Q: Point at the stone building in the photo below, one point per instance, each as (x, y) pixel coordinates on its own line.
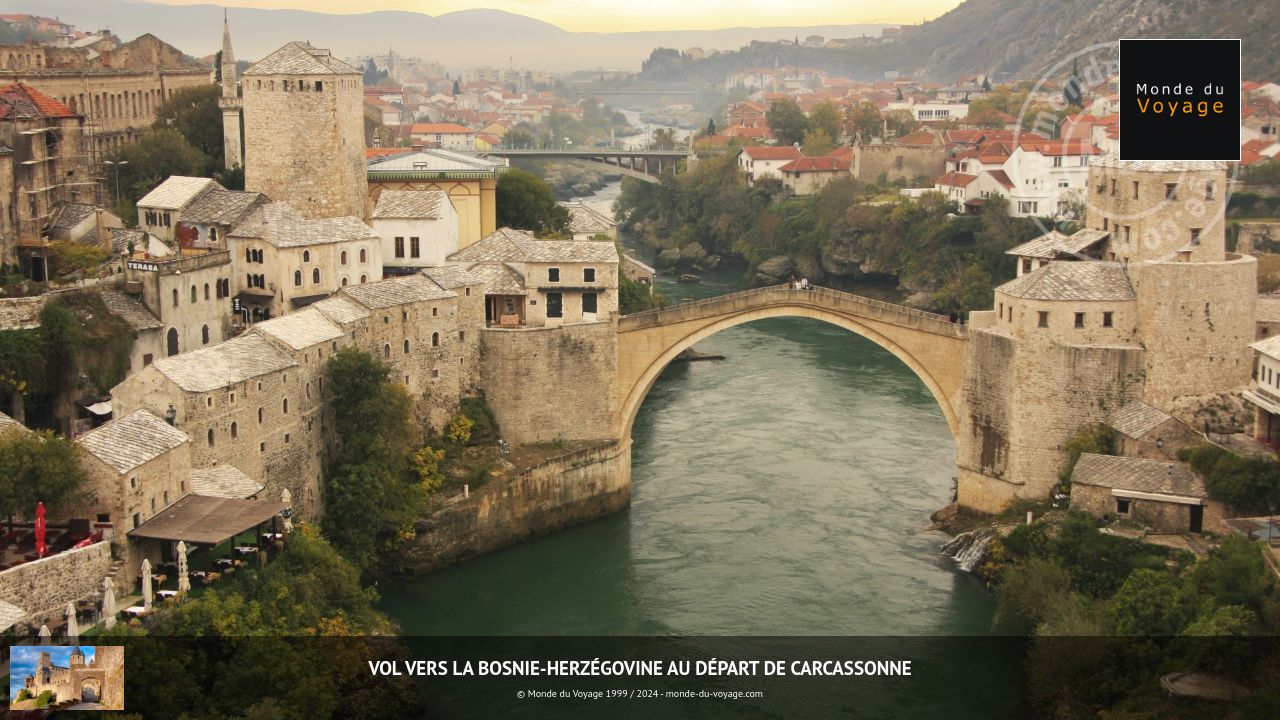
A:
(419, 229)
(1145, 431)
(1263, 392)
(1164, 317)
(470, 182)
(189, 296)
(117, 91)
(290, 261)
(808, 175)
(43, 164)
(920, 154)
(100, 680)
(536, 283)
(304, 132)
(1166, 496)
(585, 222)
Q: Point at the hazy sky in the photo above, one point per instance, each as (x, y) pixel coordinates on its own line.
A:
(622, 15)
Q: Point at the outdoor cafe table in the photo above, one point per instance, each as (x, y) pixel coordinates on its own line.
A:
(166, 594)
(246, 550)
(135, 610)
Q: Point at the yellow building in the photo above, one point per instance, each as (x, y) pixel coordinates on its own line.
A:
(471, 183)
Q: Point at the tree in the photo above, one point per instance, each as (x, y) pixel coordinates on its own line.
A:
(153, 158)
(787, 122)
(901, 122)
(984, 113)
(863, 120)
(194, 113)
(526, 203)
(825, 116)
(1073, 91)
(711, 126)
(664, 139)
(1028, 591)
(37, 466)
(818, 142)
(1150, 602)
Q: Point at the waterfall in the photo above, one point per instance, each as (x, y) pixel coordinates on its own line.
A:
(969, 548)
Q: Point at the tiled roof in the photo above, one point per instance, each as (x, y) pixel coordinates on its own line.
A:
(23, 101)
(771, 152)
(507, 245)
(585, 219)
(226, 363)
(440, 129)
(1086, 280)
(300, 58)
(222, 207)
(129, 309)
(1269, 347)
(223, 481)
(1001, 177)
(434, 160)
(499, 279)
(68, 215)
(121, 237)
(341, 309)
(632, 261)
(424, 204)
(8, 423)
(1138, 475)
(300, 330)
(280, 225)
(175, 192)
(956, 179)
(1053, 243)
(1267, 308)
(919, 138)
(397, 291)
(825, 163)
(451, 277)
(127, 442)
(1137, 419)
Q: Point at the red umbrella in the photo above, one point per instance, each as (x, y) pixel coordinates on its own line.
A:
(41, 548)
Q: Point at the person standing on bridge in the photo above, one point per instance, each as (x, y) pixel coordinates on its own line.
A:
(804, 284)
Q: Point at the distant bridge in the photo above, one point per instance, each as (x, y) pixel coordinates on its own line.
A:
(646, 165)
(931, 345)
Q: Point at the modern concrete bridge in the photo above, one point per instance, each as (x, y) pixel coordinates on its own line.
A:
(931, 345)
(646, 165)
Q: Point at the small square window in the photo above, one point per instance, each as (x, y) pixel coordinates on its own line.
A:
(1044, 318)
(262, 447)
(1106, 319)
(1122, 506)
(1079, 319)
(589, 275)
(553, 274)
(286, 438)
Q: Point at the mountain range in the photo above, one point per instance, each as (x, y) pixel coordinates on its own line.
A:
(459, 40)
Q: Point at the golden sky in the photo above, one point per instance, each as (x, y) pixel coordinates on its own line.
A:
(624, 15)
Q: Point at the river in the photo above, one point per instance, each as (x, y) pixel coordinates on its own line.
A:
(785, 490)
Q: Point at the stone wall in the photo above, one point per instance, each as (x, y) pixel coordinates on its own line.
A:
(898, 162)
(1161, 517)
(550, 384)
(1258, 237)
(568, 490)
(44, 587)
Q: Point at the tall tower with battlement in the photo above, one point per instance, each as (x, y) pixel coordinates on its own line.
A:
(304, 131)
(229, 101)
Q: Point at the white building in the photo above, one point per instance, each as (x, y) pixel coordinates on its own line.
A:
(419, 228)
(927, 111)
(761, 161)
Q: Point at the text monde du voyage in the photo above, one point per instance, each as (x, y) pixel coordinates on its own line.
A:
(639, 668)
(1180, 99)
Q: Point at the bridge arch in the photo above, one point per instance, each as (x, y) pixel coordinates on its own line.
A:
(930, 345)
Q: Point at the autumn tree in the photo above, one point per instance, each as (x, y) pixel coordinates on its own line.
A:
(787, 122)
(825, 116)
(863, 120)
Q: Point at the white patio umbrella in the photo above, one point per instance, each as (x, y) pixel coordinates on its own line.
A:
(287, 499)
(184, 582)
(108, 603)
(146, 585)
(73, 630)
(44, 634)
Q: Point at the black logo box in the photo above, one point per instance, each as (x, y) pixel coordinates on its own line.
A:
(1194, 65)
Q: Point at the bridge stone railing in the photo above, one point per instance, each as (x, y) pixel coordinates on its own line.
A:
(818, 297)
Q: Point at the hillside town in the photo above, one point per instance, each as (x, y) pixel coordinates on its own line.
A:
(1122, 362)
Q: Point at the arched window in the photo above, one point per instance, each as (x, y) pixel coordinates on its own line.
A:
(213, 234)
(248, 279)
(193, 293)
(204, 335)
(364, 279)
(306, 256)
(406, 347)
(234, 431)
(206, 291)
(435, 339)
(248, 255)
(362, 257)
(173, 340)
(315, 276)
(285, 405)
(344, 282)
(210, 437)
(342, 257)
(259, 416)
(386, 351)
(297, 277)
(175, 297)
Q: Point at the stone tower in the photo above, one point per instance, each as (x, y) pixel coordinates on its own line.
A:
(232, 142)
(1144, 303)
(304, 131)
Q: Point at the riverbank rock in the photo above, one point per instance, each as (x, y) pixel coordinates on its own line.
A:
(776, 268)
(669, 258)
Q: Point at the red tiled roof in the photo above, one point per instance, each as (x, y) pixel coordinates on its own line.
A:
(1001, 177)
(440, 128)
(1251, 152)
(770, 152)
(824, 163)
(956, 179)
(918, 138)
(383, 152)
(20, 100)
(1064, 147)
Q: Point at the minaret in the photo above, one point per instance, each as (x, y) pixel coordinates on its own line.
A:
(232, 145)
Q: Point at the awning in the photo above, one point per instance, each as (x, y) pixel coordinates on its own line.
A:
(255, 298)
(301, 302)
(1261, 401)
(99, 408)
(207, 520)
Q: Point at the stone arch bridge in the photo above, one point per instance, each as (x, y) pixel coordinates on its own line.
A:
(647, 165)
(931, 345)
